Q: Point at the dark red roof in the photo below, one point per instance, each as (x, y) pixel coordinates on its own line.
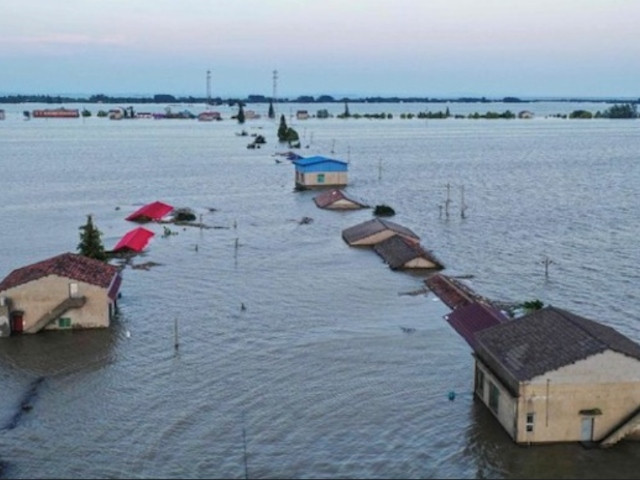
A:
(151, 211)
(135, 240)
(453, 293)
(325, 199)
(70, 265)
(469, 319)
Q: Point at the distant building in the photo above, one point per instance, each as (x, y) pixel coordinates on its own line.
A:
(319, 172)
(57, 113)
(63, 292)
(302, 114)
(525, 114)
(322, 113)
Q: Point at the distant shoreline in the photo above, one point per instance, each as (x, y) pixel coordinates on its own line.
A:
(166, 98)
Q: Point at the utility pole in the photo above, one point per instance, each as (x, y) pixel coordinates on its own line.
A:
(447, 201)
(463, 206)
(275, 92)
(208, 87)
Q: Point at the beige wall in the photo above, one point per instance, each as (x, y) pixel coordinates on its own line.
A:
(608, 381)
(38, 297)
(420, 263)
(330, 179)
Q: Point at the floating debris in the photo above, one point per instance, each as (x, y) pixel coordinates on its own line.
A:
(145, 266)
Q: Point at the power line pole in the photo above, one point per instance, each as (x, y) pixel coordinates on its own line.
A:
(209, 87)
(275, 92)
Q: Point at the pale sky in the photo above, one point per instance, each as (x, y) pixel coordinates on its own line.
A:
(425, 48)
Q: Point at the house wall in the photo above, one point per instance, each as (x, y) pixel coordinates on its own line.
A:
(40, 296)
(507, 403)
(608, 381)
(343, 204)
(419, 263)
(331, 179)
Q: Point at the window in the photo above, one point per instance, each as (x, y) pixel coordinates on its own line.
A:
(480, 383)
(321, 178)
(530, 421)
(494, 397)
(64, 322)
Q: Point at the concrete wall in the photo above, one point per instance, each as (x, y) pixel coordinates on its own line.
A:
(331, 179)
(609, 382)
(40, 296)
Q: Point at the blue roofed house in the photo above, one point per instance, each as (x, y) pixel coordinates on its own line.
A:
(319, 172)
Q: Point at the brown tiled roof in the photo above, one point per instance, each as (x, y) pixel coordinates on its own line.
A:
(396, 251)
(452, 292)
(371, 227)
(70, 265)
(546, 340)
(325, 199)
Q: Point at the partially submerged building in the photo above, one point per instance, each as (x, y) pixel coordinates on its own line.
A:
(336, 199)
(134, 240)
(554, 376)
(402, 254)
(319, 172)
(375, 231)
(549, 376)
(63, 292)
(150, 212)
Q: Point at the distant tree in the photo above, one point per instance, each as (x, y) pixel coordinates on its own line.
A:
(282, 129)
(91, 242)
(580, 114)
(240, 115)
(626, 110)
(346, 110)
(272, 112)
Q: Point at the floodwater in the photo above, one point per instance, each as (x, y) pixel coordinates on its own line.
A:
(332, 370)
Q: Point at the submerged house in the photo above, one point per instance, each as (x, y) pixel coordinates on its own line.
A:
(375, 231)
(337, 200)
(402, 254)
(63, 292)
(151, 212)
(134, 240)
(319, 172)
(553, 376)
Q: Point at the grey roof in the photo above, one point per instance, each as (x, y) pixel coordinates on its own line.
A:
(372, 227)
(328, 198)
(396, 251)
(546, 340)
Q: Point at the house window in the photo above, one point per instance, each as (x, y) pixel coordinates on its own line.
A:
(480, 383)
(530, 421)
(494, 397)
(64, 322)
(321, 178)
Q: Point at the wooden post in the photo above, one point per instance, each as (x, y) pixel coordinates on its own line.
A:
(447, 201)
(176, 344)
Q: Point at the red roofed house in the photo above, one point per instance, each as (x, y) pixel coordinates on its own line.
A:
(134, 240)
(151, 211)
(62, 292)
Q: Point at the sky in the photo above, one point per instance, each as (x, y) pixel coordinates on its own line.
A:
(405, 48)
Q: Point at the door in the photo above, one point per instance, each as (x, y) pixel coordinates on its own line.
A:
(17, 322)
(586, 433)
(73, 290)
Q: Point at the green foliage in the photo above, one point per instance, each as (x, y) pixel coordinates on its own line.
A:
(240, 116)
(282, 129)
(384, 211)
(580, 114)
(91, 241)
(272, 112)
(532, 305)
(626, 110)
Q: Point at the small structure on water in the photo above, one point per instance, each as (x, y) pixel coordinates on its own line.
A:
(375, 231)
(134, 240)
(63, 292)
(151, 212)
(319, 172)
(402, 254)
(336, 199)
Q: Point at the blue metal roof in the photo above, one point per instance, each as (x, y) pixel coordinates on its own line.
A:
(320, 163)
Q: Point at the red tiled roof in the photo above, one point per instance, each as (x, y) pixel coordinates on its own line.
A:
(135, 240)
(329, 197)
(450, 291)
(70, 265)
(469, 319)
(152, 211)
